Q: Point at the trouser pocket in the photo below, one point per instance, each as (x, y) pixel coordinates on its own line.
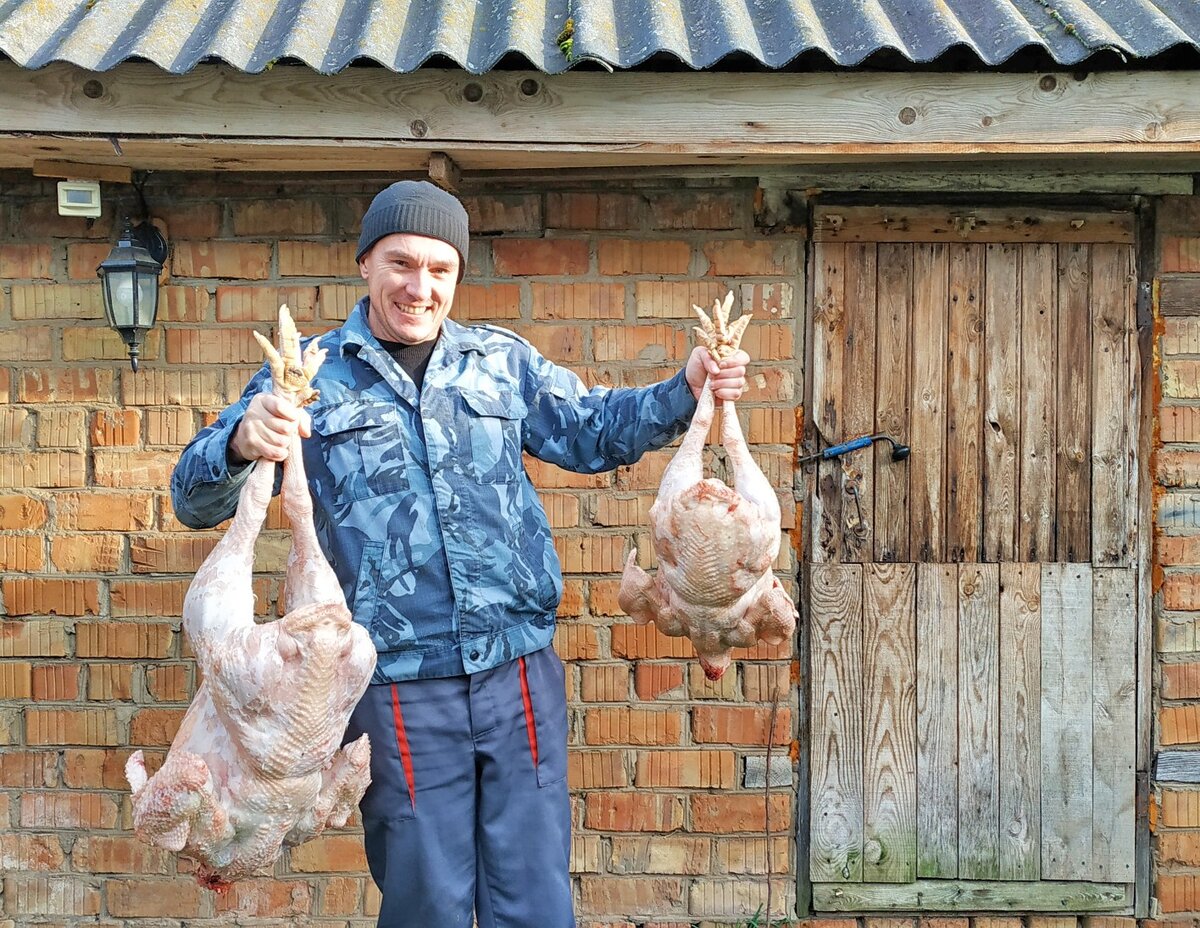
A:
(392, 793)
(543, 692)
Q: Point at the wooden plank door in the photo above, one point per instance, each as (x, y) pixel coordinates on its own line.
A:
(973, 607)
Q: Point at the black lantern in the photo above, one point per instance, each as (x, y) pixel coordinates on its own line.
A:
(129, 276)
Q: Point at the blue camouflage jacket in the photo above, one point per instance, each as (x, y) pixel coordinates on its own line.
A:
(421, 501)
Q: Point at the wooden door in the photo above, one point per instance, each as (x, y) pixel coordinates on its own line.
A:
(972, 608)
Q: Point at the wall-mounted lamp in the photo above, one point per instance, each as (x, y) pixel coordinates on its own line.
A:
(129, 277)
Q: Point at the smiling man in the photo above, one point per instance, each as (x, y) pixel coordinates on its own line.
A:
(438, 538)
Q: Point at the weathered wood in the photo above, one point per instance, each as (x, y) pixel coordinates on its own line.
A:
(844, 113)
(909, 223)
(889, 716)
(1001, 180)
(893, 338)
(74, 170)
(444, 172)
(1002, 386)
(1066, 721)
(1112, 430)
(1179, 295)
(858, 402)
(1074, 405)
(964, 438)
(978, 721)
(1177, 767)
(927, 409)
(1020, 717)
(828, 364)
(836, 769)
(971, 896)
(1113, 712)
(1036, 465)
(937, 720)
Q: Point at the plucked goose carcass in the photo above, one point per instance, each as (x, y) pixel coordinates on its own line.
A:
(715, 544)
(257, 762)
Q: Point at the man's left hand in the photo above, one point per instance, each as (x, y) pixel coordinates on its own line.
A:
(728, 377)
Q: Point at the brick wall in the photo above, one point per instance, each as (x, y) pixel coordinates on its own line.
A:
(667, 769)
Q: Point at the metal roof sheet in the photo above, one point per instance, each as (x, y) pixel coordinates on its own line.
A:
(478, 35)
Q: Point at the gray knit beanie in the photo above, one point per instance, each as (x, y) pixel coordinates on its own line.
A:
(421, 208)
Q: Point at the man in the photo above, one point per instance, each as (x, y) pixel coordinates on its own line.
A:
(424, 510)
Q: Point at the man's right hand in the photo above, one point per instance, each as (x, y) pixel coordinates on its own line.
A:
(267, 428)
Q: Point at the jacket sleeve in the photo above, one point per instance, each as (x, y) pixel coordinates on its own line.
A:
(204, 488)
(599, 429)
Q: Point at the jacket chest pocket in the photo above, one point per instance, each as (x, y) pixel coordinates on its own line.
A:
(363, 448)
(490, 447)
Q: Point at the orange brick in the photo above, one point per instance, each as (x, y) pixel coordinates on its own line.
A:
(84, 257)
(604, 682)
(603, 597)
(116, 427)
(212, 346)
(524, 257)
(574, 642)
(749, 856)
(261, 304)
(30, 852)
(700, 687)
(26, 262)
(178, 898)
(1181, 681)
(15, 427)
(48, 470)
(1174, 550)
(750, 259)
(656, 812)
(330, 854)
(133, 469)
(595, 211)
(280, 217)
(56, 682)
(1178, 892)
(61, 427)
(86, 553)
(596, 769)
(171, 427)
(194, 220)
(340, 895)
(1177, 468)
(603, 895)
(1179, 423)
(625, 256)
(1179, 849)
(764, 682)
(49, 895)
(110, 682)
(591, 554)
(686, 769)
(148, 597)
(118, 854)
(733, 813)
(622, 510)
(100, 343)
(1179, 724)
(22, 553)
(170, 554)
(699, 209)
(548, 477)
(221, 259)
(169, 682)
(651, 681)
(100, 511)
(32, 639)
(739, 725)
(562, 344)
(335, 301)
(71, 726)
(51, 597)
(266, 899)
(485, 302)
(504, 213)
(174, 388)
(28, 770)
(666, 855)
(122, 639)
(621, 725)
(93, 768)
(674, 299)
(16, 680)
(1181, 591)
(317, 259)
(639, 343)
(183, 304)
(70, 385)
(646, 641)
(152, 727)
(578, 301)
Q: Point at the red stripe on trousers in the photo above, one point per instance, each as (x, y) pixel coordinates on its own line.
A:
(405, 751)
(529, 723)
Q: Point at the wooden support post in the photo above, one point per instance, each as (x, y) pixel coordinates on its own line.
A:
(444, 172)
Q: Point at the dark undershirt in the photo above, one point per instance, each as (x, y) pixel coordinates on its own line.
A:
(413, 359)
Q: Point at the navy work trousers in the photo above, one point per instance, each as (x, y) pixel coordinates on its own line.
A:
(467, 815)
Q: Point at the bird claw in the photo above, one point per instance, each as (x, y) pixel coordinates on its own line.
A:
(292, 371)
(715, 333)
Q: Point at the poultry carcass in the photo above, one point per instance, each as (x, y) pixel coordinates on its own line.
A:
(257, 761)
(715, 544)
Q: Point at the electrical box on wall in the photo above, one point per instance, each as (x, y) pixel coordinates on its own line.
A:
(79, 198)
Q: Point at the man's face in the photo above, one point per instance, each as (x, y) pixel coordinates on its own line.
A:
(410, 280)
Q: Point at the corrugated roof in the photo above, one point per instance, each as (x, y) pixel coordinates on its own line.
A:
(477, 35)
